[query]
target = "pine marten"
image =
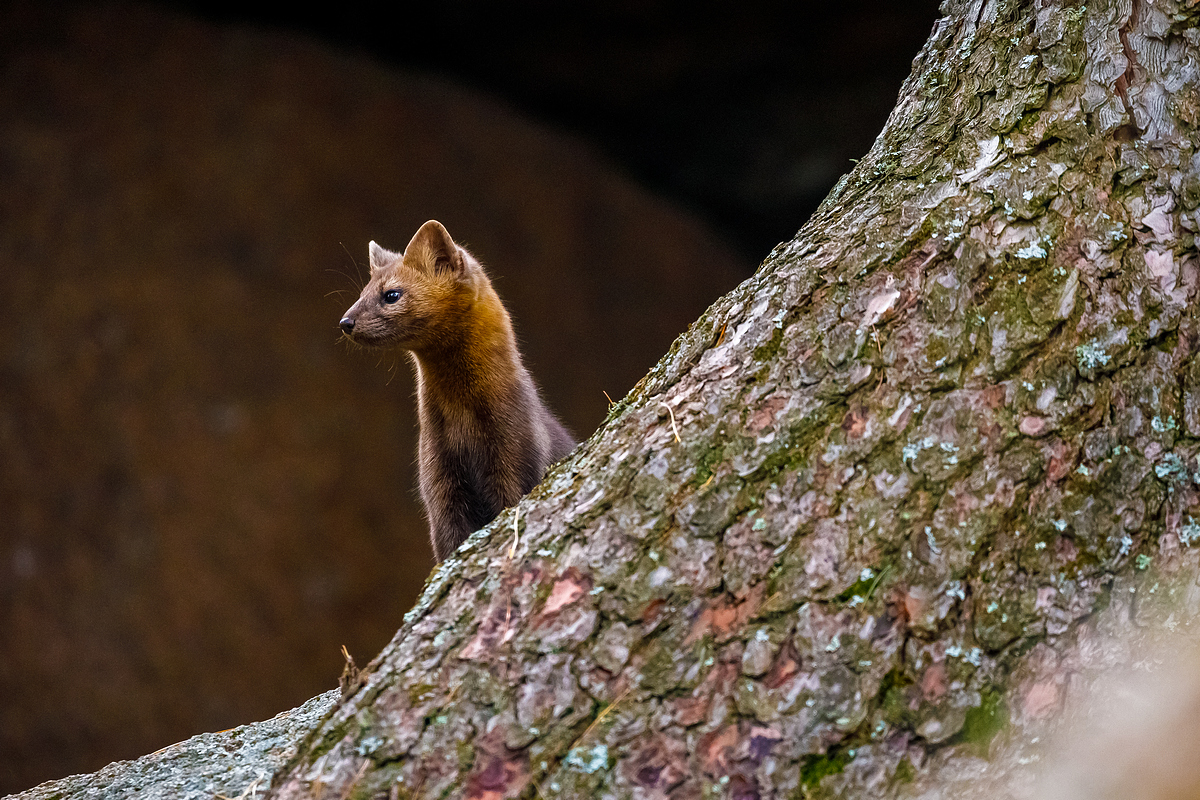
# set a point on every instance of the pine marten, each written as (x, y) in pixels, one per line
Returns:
(486, 436)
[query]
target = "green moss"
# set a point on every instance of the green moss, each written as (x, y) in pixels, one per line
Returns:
(331, 738)
(896, 708)
(984, 721)
(660, 673)
(542, 594)
(791, 451)
(917, 238)
(860, 588)
(865, 587)
(420, 692)
(381, 782)
(941, 350)
(707, 462)
(466, 755)
(905, 771)
(816, 768)
(1028, 121)
(360, 791)
(580, 773)
(546, 751)
(1010, 321)
(765, 353)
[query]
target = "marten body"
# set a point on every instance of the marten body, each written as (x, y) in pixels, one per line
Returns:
(486, 437)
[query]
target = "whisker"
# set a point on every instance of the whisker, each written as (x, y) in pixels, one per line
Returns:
(357, 267)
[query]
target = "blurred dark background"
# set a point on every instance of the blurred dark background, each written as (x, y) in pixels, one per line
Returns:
(203, 494)
(743, 112)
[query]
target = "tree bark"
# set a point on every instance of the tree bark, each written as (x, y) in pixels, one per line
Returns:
(869, 510)
(236, 763)
(862, 517)
(886, 506)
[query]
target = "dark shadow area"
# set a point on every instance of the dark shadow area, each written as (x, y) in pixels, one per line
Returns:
(745, 113)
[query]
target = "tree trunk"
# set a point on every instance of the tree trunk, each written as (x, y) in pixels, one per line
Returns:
(863, 527)
(862, 516)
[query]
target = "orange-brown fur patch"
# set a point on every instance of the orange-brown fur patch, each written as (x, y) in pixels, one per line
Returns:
(486, 436)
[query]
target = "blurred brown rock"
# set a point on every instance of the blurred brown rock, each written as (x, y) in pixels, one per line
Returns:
(203, 494)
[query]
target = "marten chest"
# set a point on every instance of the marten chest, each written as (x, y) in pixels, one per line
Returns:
(468, 480)
(484, 461)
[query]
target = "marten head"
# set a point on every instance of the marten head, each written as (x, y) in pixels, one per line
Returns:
(418, 299)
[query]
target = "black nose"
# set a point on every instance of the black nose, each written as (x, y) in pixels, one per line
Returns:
(347, 324)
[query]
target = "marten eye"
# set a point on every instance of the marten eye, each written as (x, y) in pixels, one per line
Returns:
(391, 296)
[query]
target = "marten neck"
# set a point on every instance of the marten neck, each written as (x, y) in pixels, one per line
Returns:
(474, 362)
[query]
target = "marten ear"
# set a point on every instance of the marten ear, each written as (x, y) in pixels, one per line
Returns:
(381, 257)
(432, 250)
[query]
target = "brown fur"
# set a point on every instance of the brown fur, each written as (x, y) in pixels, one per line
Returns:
(486, 436)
